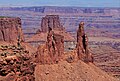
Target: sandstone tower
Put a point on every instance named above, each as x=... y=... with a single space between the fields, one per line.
x=82 y=45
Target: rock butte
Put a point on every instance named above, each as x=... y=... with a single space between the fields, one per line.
x=52 y=21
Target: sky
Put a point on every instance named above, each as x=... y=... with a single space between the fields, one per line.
x=77 y=3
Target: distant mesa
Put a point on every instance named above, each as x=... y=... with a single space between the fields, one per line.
x=10 y=29
x=52 y=21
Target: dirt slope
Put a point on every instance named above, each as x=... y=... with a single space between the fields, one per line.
x=76 y=71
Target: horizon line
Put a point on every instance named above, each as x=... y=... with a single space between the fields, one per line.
x=61 y=6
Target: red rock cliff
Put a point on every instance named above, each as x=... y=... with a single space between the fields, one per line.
x=10 y=29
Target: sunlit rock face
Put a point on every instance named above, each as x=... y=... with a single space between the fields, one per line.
x=82 y=45
x=53 y=50
x=10 y=29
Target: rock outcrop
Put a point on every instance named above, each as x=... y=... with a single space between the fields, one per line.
x=10 y=29
x=82 y=45
x=52 y=21
x=16 y=64
x=53 y=50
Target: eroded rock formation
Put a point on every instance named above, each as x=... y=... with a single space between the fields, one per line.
x=64 y=71
x=52 y=21
x=82 y=45
x=10 y=29
x=53 y=50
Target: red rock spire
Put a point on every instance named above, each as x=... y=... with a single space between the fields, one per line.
x=82 y=45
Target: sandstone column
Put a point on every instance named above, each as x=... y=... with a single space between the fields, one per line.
x=80 y=40
x=82 y=45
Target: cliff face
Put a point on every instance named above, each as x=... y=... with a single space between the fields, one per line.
x=82 y=45
x=10 y=29
x=52 y=21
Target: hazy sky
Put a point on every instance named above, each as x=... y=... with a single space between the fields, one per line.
x=79 y=3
